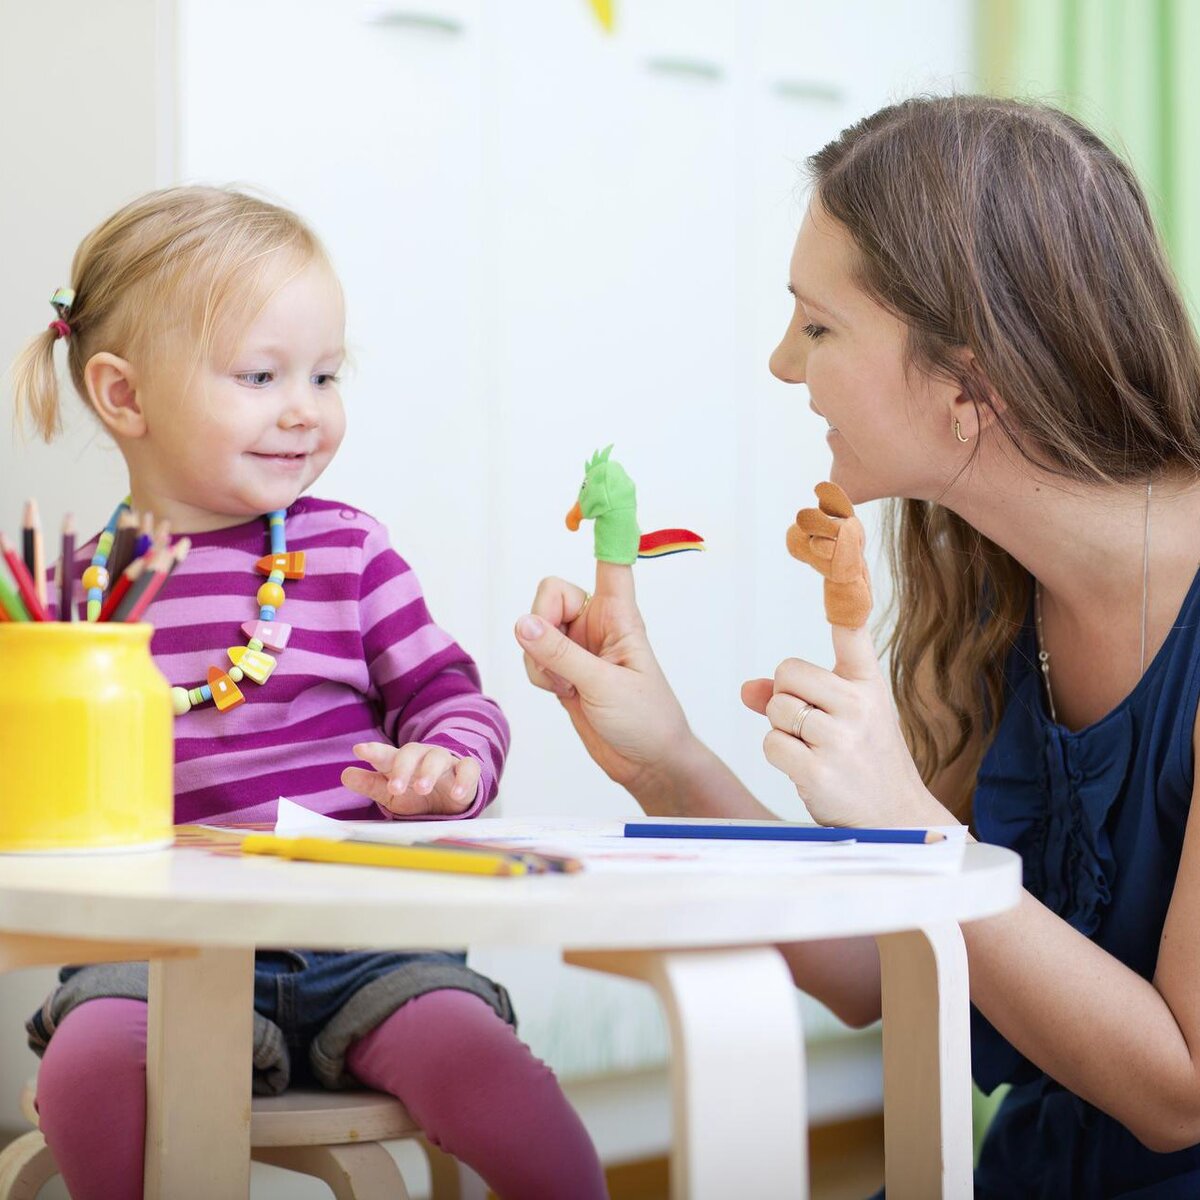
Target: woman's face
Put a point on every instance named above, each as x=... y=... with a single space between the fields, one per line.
x=890 y=429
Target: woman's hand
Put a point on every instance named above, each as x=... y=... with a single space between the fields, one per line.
x=414 y=780
x=592 y=653
x=845 y=754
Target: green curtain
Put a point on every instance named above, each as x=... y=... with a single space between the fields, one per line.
x=1127 y=68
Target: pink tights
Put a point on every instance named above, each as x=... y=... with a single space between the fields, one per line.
x=473 y=1086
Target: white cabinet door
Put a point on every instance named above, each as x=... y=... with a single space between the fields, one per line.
x=367 y=119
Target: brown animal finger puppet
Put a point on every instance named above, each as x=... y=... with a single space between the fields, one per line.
x=831 y=538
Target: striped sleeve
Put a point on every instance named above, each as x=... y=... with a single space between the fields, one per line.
x=427 y=684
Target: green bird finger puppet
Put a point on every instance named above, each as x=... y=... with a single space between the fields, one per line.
x=609 y=498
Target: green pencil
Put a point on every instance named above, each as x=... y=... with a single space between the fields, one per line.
x=11 y=601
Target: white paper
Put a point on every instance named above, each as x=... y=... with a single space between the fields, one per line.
x=600 y=845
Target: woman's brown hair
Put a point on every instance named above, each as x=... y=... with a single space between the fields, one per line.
x=1009 y=229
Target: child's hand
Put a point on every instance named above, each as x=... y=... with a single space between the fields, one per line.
x=414 y=780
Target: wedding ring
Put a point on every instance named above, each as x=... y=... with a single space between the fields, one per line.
x=800 y=718
x=587 y=599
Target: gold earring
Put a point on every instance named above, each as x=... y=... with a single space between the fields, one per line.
x=958 y=431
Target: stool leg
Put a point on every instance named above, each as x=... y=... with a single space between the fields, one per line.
x=359 y=1171
x=450 y=1179
x=25 y=1166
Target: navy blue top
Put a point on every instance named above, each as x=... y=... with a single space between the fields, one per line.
x=1098 y=818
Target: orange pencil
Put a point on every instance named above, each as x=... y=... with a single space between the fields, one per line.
x=23 y=579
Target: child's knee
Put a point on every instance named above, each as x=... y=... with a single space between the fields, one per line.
x=100 y=1044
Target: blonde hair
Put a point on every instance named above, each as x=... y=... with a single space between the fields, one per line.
x=1011 y=229
x=184 y=260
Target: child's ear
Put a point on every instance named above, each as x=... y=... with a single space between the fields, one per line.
x=111 y=384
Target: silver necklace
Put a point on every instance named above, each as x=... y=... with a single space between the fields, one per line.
x=1044 y=657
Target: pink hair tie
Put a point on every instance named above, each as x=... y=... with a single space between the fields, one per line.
x=61 y=328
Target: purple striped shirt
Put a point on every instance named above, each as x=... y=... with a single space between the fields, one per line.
x=365 y=662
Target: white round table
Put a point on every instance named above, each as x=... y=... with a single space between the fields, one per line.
x=704 y=942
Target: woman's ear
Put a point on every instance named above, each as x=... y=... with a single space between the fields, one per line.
x=111 y=385
x=975 y=405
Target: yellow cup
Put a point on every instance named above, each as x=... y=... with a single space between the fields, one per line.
x=86 y=739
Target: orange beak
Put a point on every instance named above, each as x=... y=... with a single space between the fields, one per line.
x=574 y=517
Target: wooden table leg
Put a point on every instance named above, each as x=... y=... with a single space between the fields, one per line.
x=737 y=1068
x=198 y=1074
x=926 y=1064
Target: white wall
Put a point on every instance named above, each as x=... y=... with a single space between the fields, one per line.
x=83 y=111
x=550 y=238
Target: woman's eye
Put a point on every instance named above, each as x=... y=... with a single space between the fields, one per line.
x=815 y=331
x=255 y=378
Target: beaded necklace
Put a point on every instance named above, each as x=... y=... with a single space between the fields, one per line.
x=250 y=661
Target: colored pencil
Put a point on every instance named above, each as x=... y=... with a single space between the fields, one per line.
x=537 y=860
x=35 y=558
x=413 y=858
x=10 y=602
x=142 y=592
x=779 y=831
x=66 y=571
x=146 y=537
x=124 y=541
x=117 y=591
x=23 y=579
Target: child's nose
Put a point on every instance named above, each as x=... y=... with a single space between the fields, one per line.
x=301 y=410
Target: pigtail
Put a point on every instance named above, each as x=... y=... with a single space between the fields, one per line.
x=35 y=387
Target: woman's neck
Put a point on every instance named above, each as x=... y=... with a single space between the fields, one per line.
x=1086 y=544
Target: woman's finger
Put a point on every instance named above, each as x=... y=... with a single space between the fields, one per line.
x=558 y=601
x=554 y=653
x=797 y=718
x=616 y=580
x=854 y=654
x=791 y=757
x=756 y=693
x=812 y=683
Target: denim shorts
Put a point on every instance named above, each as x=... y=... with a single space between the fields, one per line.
x=309 y=1005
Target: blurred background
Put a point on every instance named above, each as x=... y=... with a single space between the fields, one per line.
x=559 y=224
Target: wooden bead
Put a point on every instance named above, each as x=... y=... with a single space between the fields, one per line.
x=252 y=663
x=270 y=595
x=235 y=673
x=95 y=577
x=225 y=692
x=181 y=702
x=290 y=566
x=272 y=634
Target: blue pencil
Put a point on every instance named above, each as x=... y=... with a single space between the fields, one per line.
x=780 y=832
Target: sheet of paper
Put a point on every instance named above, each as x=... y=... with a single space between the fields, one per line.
x=601 y=846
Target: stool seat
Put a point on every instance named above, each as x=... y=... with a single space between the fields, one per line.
x=308 y=1117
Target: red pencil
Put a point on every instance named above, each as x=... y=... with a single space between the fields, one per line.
x=23 y=579
x=117 y=593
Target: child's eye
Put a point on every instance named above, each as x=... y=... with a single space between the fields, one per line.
x=326 y=378
x=815 y=331
x=255 y=378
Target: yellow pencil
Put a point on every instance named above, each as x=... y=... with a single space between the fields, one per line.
x=366 y=854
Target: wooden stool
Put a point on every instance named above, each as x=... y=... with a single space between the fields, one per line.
x=334 y=1136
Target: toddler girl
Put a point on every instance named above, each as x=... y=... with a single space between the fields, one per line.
x=205 y=330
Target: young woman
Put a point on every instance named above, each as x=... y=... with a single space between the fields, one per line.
x=985 y=317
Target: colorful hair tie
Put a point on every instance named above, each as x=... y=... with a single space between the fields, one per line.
x=61 y=328
x=61 y=302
